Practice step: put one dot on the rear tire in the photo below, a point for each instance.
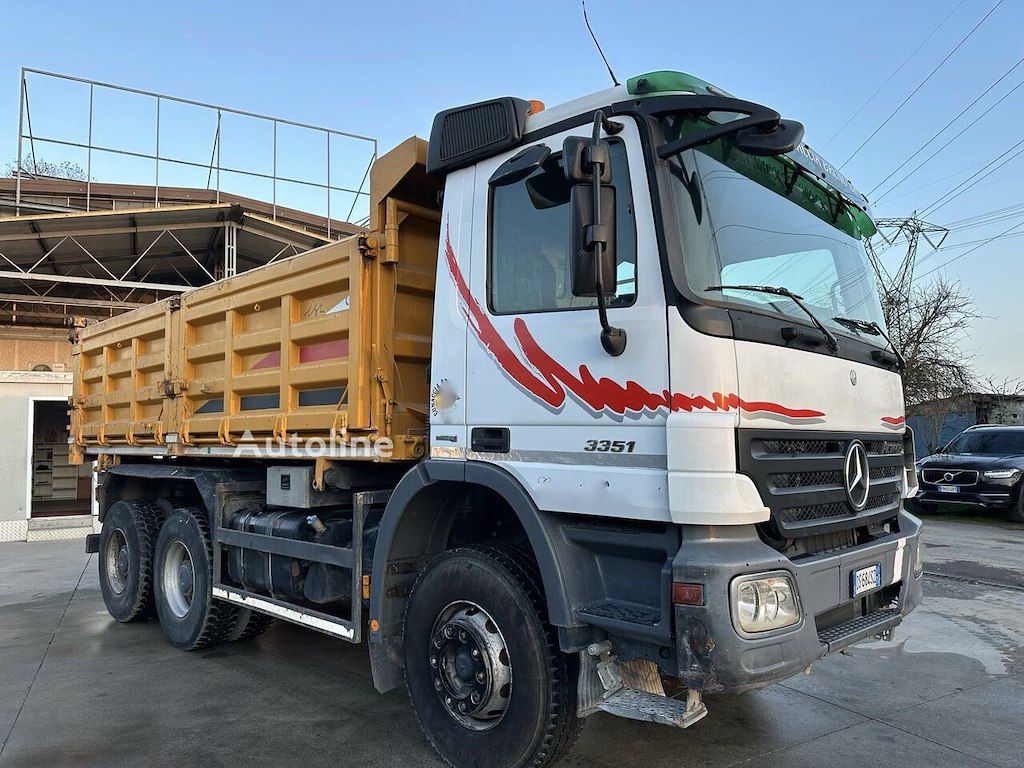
(126, 559)
(182, 579)
(487, 681)
(249, 624)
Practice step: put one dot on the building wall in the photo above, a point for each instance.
(932, 431)
(16, 390)
(1008, 411)
(21, 349)
(937, 422)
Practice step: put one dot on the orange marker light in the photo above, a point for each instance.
(374, 625)
(535, 107)
(687, 594)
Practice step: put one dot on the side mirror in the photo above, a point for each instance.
(770, 141)
(588, 166)
(585, 234)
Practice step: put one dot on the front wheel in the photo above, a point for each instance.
(488, 683)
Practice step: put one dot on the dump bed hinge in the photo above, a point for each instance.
(173, 387)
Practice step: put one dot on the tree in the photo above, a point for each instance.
(37, 167)
(929, 324)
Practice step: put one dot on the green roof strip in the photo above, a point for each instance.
(667, 80)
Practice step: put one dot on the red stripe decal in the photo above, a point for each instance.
(894, 420)
(598, 394)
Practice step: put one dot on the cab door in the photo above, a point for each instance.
(583, 431)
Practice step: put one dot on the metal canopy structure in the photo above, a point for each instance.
(102, 263)
(77, 246)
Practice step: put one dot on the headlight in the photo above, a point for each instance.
(764, 602)
(1001, 474)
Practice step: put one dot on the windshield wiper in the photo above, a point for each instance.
(833, 342)
(869, 326)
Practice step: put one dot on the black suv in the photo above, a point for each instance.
(983, 466)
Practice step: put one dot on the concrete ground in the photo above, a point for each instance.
(77, 689)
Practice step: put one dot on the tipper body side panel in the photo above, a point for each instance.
(329, 345)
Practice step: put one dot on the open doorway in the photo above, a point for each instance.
(58, 488)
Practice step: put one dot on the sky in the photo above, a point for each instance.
(383, 69)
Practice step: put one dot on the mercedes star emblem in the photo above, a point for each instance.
(856, 478)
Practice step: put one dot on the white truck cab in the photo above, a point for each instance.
(756, 406)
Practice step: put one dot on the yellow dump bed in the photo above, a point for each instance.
(322, 354)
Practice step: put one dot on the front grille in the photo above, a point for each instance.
(959, 477)
(793, 447)
(877, 502)
(832, 477)
(801, 479)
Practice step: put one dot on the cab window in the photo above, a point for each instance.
(529, 262)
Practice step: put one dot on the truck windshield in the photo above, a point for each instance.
(747, 220)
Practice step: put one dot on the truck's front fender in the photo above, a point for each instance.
(415, 526)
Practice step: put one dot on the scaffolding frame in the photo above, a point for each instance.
(214, 167)
(78, 264)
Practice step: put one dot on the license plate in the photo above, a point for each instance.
(865, 579)
(949, 489)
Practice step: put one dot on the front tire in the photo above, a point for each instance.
(489, 686)
(182, 579)
(126, 559)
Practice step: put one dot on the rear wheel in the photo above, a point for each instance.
(249, 624)
(126, 559)
(189, 616)
(488, 683)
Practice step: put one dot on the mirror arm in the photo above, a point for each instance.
(612, 339)
(757, 118)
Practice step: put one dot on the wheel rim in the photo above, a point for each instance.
(178, 577)
(116, 558)
(470, 666)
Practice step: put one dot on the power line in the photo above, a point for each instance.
(983, 240)
(972, 250)
(947, 125)
(988, 217)
(890, 78)
(970, 125)
(931, 183)
(954, 193)
(921, 85)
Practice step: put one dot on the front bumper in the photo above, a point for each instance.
(992, 497)
(712, 654)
